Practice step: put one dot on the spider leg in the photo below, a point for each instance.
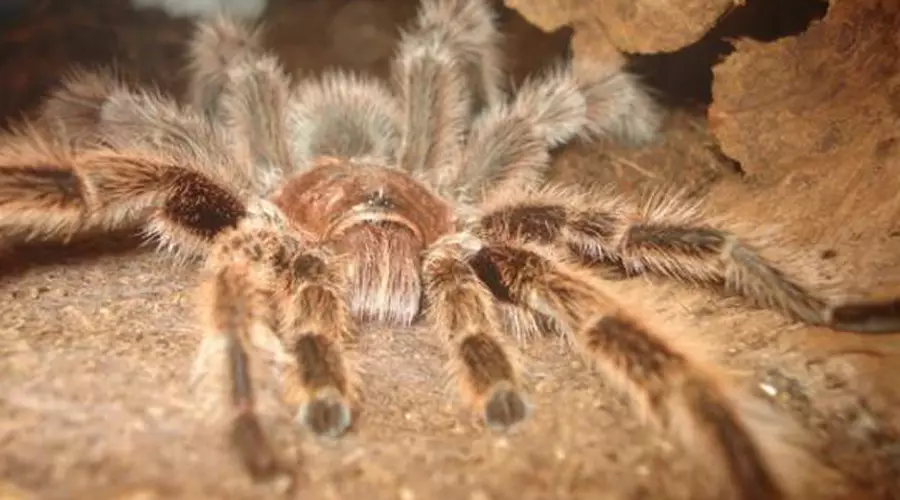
(218, 45)
(345, 115)
(317, 326)
(239, 310)
(671, 388)
(46, 192)
(95, 110)
(509, 143)
(263, 289)
(253, 109)
(74, 110)
(236, 82)
(675, 240)
(444, 69)
(462, 310)
(469, 26)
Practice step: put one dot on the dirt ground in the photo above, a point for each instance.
(96, 339)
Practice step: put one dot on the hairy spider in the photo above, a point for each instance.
(326, 203)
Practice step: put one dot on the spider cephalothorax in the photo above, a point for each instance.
(325, 203)
(379, 215)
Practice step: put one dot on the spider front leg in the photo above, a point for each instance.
(50, 193)
(264, 292)
(463, 312)
(239, 310)
(317, 326)
(672, 238)
(671, 388)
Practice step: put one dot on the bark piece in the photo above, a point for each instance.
(633, 26)
(825, 96)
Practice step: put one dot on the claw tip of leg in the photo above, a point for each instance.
(505, 408)
(327, 414)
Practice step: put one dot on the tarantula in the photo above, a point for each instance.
(325, 203)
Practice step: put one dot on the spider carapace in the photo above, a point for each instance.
(380, 218)
(323, 203)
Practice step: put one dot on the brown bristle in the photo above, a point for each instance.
(670, 387)
(742, 455)
(488, 361)
(200, 205)
(317, 363)
(254, 449)
(647, 360)
(537, 223)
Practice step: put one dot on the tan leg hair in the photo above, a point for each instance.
(317, 329)
(509, 144)
(95, 109)
(264, 292)
(447, 69)
(503, 152)
(74, 109)
(469, 25)
(150, 121)
(345, 115)
(617, 104)
(48, 193)
(670, 388)
(253, 105)
(672, 238)
(239, 309)
(217, 46)
(435, 100)
(462, 310)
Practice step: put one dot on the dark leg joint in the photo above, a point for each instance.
(689, 241)
(643, 357)
(316, 359)
(537, 223)
(867, 317)
(494, 265)
(489, 273)
(486, 360)
(491, 373)
(200, 206)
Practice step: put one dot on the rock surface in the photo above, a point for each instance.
(634, 26)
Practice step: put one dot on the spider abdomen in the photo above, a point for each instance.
(379, 221)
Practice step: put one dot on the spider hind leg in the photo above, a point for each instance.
(447, 68)
(218, 45)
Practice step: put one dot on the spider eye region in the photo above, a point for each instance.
(379, 200)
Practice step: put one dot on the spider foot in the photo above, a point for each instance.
(257, 454)
(327, 414)
(504, 408)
